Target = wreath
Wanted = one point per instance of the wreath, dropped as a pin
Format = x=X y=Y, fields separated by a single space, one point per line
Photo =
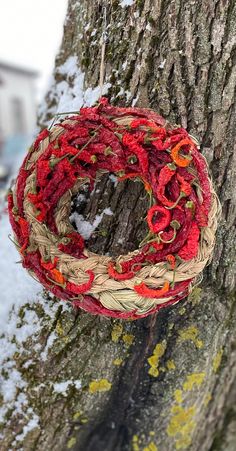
x=132 y=143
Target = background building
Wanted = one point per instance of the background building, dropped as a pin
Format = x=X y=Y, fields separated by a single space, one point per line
x=18 y=95
x=17 y=101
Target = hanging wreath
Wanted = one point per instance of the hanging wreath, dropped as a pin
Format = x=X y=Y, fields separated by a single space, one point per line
x=131 y=143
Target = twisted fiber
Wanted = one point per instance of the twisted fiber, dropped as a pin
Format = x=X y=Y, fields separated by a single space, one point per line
x=114 y=295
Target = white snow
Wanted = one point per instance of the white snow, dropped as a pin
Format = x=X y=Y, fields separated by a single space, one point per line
x=10 y=385
x=124 y=3
x=86 y=28
x=32 y=424
x=80 y=198
x=134 y=101
x=62 y=387
x=49 y=344
x=113 y=179
x=70 y=94
x=68 y=68
x=162 y=64
x=85 y=228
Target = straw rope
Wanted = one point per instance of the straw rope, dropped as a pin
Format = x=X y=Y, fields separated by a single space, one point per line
x=113 y=295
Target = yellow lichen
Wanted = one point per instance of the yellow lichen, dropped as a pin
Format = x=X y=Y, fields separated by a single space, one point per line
x=194 y=379
x=195 y=296
x=128 y=339
x=170 y=329
x=150 y=447
x=217 y=360
x=181 y=425
x=71 y=442
x=151 y=433
x=116 y=332
x=77 y=415
x=191 y=333
x=84 y=420
x=117 y=362
x=135 y=443
x=59 y=329
x=99 y=385
x=61 y=333
x=183 y=443
x=153 y=360
x=170 y=365
x=207 y=399
x=182 y=310
x=178 y=396
x=182 y=422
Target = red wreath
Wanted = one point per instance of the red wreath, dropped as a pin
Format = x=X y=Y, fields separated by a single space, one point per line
x=165 y=158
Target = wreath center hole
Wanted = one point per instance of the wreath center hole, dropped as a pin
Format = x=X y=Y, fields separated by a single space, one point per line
x=112 y=218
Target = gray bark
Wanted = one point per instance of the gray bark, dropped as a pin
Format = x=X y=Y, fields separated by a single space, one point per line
x=181 y=62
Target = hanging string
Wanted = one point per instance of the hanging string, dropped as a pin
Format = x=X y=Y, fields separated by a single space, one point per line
x=104 y=39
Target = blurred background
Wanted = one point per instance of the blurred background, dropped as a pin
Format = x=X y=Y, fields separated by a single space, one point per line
x=30 y=35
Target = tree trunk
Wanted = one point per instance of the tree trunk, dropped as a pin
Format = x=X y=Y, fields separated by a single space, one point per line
x=179 y=58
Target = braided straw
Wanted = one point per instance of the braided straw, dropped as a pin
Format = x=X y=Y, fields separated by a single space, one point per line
x=116 y=296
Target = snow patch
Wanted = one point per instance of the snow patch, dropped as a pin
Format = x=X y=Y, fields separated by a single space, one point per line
x=113 y=179
x=162 y=64
x=134 y=101
x=32 y=424
x=62 y=387
x=49 y=344
x=85 y=228
x=70 y=95
x=68 y=68
x=124 y=3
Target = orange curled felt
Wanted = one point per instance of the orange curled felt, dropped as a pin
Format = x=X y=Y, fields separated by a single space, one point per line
x=147 y=292
x=182 y=161
x=57 y=276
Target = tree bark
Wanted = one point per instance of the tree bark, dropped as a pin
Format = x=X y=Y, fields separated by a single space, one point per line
x=179 y=58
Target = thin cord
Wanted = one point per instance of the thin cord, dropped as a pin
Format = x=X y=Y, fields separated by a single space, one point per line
x=104 y=39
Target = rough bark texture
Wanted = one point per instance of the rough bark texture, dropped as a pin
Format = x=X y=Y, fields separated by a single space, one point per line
x=181 y=61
